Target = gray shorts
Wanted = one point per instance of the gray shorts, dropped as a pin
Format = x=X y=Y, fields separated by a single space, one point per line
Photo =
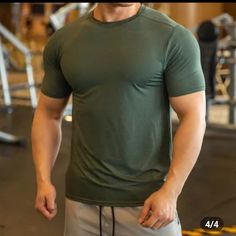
x=90 y=220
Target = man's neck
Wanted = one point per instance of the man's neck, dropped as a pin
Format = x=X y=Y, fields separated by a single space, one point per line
x=110 y=12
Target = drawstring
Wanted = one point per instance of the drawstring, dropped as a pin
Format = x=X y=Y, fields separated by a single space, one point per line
x=113 y=220
x=100 y=220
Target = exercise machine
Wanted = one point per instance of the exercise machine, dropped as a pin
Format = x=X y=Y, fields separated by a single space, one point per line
x=223 y=54
x=231 y=62
x=6 y=137
x=58 y=18
x=4 y=32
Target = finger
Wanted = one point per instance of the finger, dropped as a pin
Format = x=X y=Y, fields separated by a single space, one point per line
x=168 y=221
x=50 y=203
x=51 y=207
x=43 y=210
x=145 y=212
x=45 y=213
x=49 y=215
x=160 y=224
x=40 y=203
x=54 y=211
x=164 y=222
x=151 y=221
x=55 y=208
x=41 y=207
x=53 y=214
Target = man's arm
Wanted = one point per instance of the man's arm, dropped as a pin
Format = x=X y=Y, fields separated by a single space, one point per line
x=188 y=138
x=46 y=139
x=186 y=148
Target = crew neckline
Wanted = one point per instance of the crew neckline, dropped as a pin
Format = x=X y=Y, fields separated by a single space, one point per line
x=113 y=23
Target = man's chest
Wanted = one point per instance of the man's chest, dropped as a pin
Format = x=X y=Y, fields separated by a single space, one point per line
x=91 y=60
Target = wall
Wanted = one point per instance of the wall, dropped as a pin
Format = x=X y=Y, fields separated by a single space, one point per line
x=191 y=14
x=231 y=9
x=5 y=15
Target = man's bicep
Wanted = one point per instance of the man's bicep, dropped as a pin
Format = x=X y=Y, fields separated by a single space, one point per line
x=52 y=107
x=193 y=103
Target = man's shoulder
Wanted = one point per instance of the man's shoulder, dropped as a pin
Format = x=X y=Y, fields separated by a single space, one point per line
x=71 y=27
x=164 y=25
x=63 y=34
x=159 y=18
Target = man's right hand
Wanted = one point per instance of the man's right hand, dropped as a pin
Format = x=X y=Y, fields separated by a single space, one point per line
x=46 y=200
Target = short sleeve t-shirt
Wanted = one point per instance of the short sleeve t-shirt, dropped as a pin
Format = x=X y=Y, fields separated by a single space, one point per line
x=121 y=75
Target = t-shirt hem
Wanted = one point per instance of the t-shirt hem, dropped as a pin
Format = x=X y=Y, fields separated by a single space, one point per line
x=105 y=203
x=54 y=95
x=188 y=92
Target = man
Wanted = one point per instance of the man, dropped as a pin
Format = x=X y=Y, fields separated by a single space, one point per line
x=125 y=64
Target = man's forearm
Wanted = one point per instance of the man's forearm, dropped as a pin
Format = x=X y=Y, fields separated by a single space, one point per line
x=186 y=148
x=46 y=139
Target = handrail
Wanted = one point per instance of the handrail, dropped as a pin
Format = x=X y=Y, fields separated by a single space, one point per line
x=28 y=59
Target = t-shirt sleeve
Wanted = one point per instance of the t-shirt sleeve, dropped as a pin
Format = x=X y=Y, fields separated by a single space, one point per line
x=183 y=71
x=54 y=83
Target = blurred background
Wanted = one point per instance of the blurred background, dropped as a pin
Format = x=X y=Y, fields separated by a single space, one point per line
x=24 y=31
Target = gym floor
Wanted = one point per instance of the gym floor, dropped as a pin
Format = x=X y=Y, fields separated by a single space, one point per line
x=209 y=191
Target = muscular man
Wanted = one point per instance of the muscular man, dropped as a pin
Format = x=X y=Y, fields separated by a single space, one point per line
x=125 y=65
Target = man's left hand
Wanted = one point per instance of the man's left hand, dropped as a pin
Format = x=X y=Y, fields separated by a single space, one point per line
x=159 y=209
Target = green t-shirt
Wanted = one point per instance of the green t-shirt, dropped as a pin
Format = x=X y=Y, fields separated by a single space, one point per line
x=121 y=75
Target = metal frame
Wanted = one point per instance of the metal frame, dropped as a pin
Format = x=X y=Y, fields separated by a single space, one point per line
x=232 y=88
x=7 y=138
x=3 y=73
x=58 y=18
x=218 y=21
x=4 y=32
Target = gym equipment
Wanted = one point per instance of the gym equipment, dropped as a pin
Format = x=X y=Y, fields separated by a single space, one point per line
x=216 y=54
x=5 y=86
x=10 y=62
x=208 y=37
x=4 y=32
x=58 y=18
x=218 y=21
x=231 y=61
x=7 y=138
x=227 y=46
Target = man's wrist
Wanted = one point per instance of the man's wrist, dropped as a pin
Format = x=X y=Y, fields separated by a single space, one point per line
x=172 y=188
x=43 y=181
